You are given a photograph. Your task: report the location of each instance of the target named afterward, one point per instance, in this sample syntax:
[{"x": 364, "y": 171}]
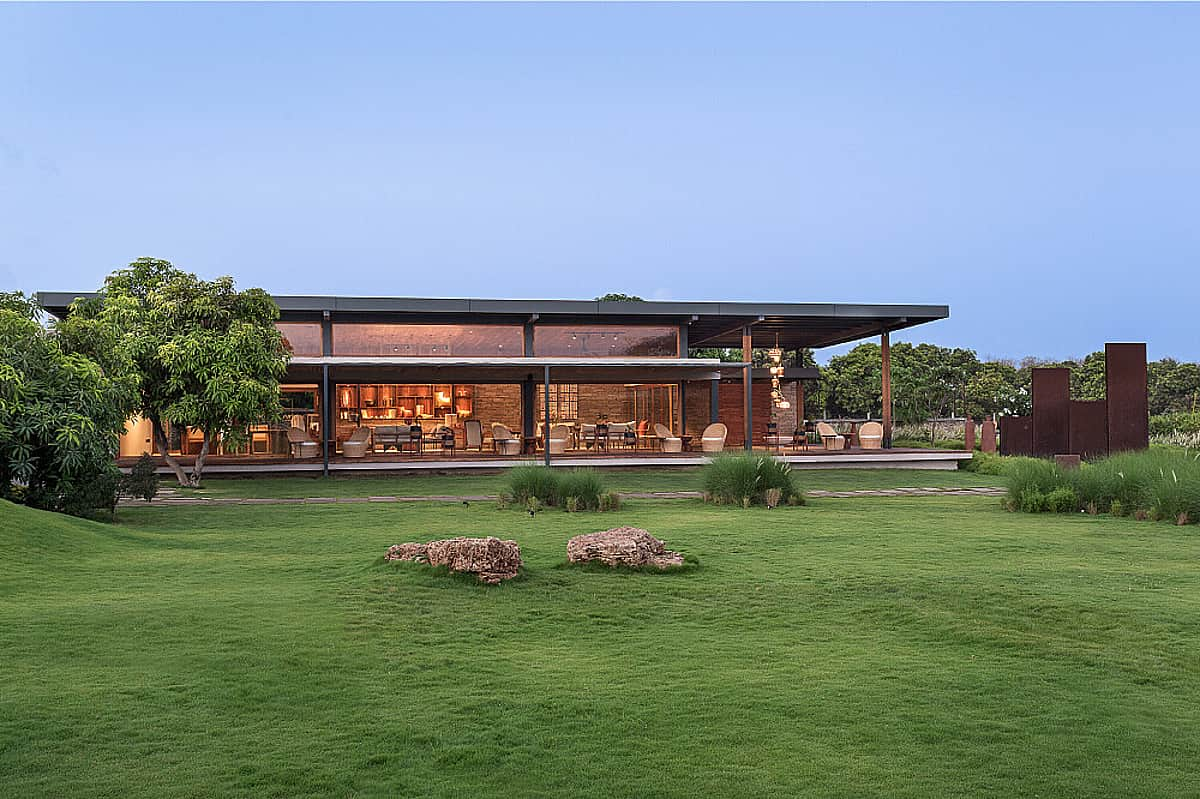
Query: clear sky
[{"x": 1036, "y": 167}]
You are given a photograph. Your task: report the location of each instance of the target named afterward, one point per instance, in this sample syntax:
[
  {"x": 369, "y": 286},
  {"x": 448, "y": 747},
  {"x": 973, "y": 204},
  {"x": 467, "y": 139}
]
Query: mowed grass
[
  {"x": 623, "y": 480},
  {"x": 908, "y": 647}
]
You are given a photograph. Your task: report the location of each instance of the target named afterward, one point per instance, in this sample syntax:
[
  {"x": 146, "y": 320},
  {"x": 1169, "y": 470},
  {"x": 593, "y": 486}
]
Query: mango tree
[{"x": 208, "y": 356}]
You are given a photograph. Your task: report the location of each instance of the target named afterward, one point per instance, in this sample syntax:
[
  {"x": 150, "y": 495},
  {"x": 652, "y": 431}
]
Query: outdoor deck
[{"x": 436, "y": 461}]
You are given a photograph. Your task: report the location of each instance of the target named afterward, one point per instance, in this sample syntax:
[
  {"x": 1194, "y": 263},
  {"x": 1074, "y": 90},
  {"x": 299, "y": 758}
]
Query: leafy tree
[
  {"x": 208, "y": 356},
  {"x": 617, "y": 297},
  {"x": 61, "y": 414},
  {"x": 1174, "y": 387}
]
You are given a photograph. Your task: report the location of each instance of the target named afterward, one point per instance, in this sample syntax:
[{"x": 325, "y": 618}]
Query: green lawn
[
  {"x": 908, "y": 647},
  {"x": 625, "y": 480}
]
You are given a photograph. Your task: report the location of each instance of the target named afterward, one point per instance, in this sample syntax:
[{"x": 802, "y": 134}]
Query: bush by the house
[
  {"x": 142, "y": 480},
  {"x": 736, "y": 479},
  {"x": 573, "y": 489}
]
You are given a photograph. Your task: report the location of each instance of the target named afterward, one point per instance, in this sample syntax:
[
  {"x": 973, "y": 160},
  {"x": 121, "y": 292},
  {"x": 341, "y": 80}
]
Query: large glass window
[
  {"x": 606, "y": 341},
  {"x": 564, "y": 402},
  {"x": 301, "y": 338},
  {"x": 408, "y": 341}
]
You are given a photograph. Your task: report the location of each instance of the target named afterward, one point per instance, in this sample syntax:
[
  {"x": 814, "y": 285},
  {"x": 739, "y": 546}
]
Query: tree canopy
[
  {"x": 207, "y": 356},
  {"x": 61, "y": 414}
]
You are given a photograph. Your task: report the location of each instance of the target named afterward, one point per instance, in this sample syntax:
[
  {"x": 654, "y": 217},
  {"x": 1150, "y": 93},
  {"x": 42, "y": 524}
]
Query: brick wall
[{"x": 498, "y": 403}]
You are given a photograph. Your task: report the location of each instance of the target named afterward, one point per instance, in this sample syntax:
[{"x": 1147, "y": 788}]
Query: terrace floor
[{"x": 473, "y": 460}]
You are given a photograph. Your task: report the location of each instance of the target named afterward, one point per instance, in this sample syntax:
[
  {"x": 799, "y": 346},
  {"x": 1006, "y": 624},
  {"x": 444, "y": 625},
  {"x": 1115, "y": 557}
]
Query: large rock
[
  {"x": 491, "y": 558},
  {"x": 622, "y": 546}
]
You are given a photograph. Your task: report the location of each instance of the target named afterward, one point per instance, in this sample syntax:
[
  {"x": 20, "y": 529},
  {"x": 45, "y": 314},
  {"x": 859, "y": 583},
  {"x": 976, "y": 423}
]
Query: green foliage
[
  {"x": 1030, "y": 480},
  {"x": 985, "y": 463},
  {"x": 1167, "y": 423},
  {"x": 1174, "y": 387},
  {"x": 207, "y": 356},
  {"x": 1156, "y": 484},
  {"x": 61, "y": 415},
  {"x": 583, "y": 485},
  {"x": 533, "y": 482},
  {"x": 142, "y": 480},
  {"x": 740, "y": 479},
  {"x": 618, "y": 297},
  {"x": 553, "y": 487}
]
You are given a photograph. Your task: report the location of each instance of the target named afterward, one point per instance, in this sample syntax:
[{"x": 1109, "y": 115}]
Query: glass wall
[
  {"x": 301, "y": 409},
  {"x": 301, "y": 338},
  {"x": 401, "y": 341},
  {"x": 606, "y": 341},
  {"x": 389, "y": 404}
]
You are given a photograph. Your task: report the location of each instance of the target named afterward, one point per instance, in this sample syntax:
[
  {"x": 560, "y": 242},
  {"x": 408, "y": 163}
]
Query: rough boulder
[
  {"x": 491, "y": 558},
  {"x": 622, "y": 546}
]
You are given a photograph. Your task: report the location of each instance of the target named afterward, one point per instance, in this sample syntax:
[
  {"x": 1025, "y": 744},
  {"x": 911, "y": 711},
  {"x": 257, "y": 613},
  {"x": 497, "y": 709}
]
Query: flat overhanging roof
[
  {"x": 510, "y": 370},
  {"x": 709, "y": 324}
]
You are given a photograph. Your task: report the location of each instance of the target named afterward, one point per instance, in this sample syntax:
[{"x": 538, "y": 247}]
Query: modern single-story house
[{"x": 393, "y": 381}]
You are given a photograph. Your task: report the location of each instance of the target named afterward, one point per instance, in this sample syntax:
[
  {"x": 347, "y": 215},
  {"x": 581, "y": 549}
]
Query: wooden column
[
  {"x": 747, "y": 387},
  {"x": 885, "y": 347}
]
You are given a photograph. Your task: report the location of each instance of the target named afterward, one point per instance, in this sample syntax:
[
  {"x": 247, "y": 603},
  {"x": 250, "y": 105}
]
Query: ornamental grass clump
[
  {"x": 1154, "y": 484},
  {"x": 533, "y": 482},
  {"x": 575, "y": 489},
  {"x": 745, "y": 480},
  {"x": 582, "y": 485}
]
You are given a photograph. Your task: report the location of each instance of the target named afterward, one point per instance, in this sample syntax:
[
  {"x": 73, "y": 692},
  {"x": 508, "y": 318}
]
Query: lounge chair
[
  {"x": 560, "y": 434},
  {"x": 831, "y": 438},
  {"x": 356, "y": 445},
  {"x": 473, "y": 432},
  {"x": 668, "y": 440},
  {"x": 302, "y": 445},
  {"x": 870, "y": 435},
  {"x": 713, "y": 438},
  {"x": 504, "y": 441}
]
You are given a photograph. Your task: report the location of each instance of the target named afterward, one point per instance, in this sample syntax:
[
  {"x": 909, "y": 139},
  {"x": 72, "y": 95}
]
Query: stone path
[{"x": 168, "y": 497}]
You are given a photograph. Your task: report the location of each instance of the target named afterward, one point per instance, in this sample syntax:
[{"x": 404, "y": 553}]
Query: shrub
[
  {"x": 533, "y": 482},
  {"x": 1030, "y": 480},
  {"x": 142, "y": 480},
  {"x": 985, "y": 463},
  {"x": 745, "y": 479},
  {"x": 1169, "y": 423},
  {"x": 553, "y": 487},
  {"x": 1062, "y": 500},
  {"x": 583, "y": 485},
  {"x": 1151, "y": 484}
]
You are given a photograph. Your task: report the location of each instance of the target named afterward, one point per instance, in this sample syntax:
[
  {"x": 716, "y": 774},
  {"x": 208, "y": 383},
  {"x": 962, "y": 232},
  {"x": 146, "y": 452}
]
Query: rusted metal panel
[
  {"x": 1051, "y": 411},
  {"x": 1016, "y": 435},
  {"x": 1128, "y": 403},
  {"x": 987, "y": 436},
  {"x": 1089, "y": 428}
]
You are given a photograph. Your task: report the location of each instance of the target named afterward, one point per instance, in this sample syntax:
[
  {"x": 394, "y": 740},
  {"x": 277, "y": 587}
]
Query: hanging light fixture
[{"x": 776, "y": 357}]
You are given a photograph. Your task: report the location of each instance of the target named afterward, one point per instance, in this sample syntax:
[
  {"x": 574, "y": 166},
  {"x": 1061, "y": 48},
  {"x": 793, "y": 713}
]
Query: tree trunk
[
  {"x": 160, "y": 438},
  {"x": 198, "y": 467}
]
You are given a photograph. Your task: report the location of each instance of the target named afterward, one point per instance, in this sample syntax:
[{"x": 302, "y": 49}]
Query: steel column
[
  {"x": 885, "y": 347},
  {"x": 326, "y": 420},
  {"x": 747, "y": 388},
  {"x": 546, "y": 418}
]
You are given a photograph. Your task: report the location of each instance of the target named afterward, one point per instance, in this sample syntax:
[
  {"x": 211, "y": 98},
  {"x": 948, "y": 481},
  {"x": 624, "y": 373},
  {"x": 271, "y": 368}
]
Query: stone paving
[{"x": 168, "y": 498}]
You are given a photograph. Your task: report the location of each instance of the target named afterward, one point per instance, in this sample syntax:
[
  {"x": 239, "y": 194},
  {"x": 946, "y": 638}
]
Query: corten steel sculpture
[{"x": 1090, "y": 429}]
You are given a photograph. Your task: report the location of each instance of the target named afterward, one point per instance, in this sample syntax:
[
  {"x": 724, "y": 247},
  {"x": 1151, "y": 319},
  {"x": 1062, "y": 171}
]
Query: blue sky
[{"x": 1034, "y": 166}]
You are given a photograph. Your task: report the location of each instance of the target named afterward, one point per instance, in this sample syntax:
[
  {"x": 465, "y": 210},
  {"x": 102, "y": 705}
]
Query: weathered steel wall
[
  {"x": 1016, "y": 435},
  {"x": 1089, "y": 428},
  {"x": 1128, "y": 403},
  {"x": 1051, "y": 411}
]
